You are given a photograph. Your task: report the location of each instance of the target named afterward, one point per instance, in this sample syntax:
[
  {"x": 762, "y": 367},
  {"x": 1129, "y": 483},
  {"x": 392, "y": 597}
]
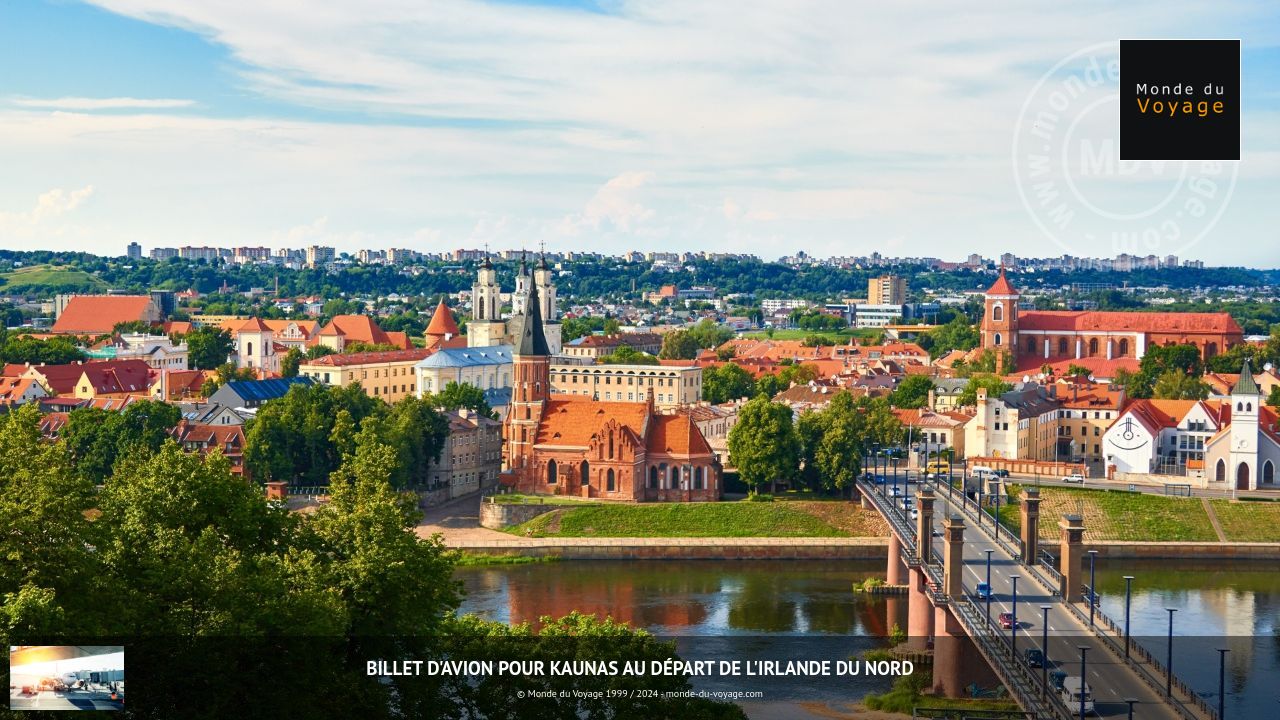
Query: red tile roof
[
  {"x": 362, "y": 328},
  {"x": 442, "y": 321},
  {"x": 676, "y": 435},
  {"x": 1098, "y": 367},
  {"x": 98, "y": 314},
  {"x": 1152, "y": 322},
  {"x": 1001, "y": 286},
  {"x": 573, "y": 421},
  {"x": 108, "y": 376}
]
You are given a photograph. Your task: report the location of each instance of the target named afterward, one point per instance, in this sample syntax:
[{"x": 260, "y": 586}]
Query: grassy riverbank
[
  {"x": 723, "y": 519},
  {"x": 1137, "y": 517}
]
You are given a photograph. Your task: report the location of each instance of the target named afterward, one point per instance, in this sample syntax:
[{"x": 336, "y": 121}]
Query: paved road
[
  {"x": 1112, "y": 681},
  {"x": 63, "y": 700}
]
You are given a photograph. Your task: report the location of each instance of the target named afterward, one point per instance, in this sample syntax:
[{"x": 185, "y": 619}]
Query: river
[{"x": 782, "y": 609}]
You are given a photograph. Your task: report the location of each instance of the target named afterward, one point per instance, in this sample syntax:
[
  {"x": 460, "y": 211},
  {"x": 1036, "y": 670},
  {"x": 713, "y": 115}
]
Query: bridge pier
[
  {"x": 924, "y": 525},
  {"x": 1069, "y": 556},
  {"x": 1030, "y": 525},
  {"x": 953, "y": 557},
  {"x": 957, "y": 664},
  {"x": 919, "y": 611},
  {"x": 893, "y": 571}
]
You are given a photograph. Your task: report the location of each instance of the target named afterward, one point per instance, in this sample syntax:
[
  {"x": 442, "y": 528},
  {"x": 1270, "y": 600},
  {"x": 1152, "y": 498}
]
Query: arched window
[
  {"x": 551, "y": 472},
  {"x": 609, "y": 481},
  {"x": 1248, "y": 407},
  {"x": 1031, "y": 344},
  {"x": 248, "y": 348},
  {"x": 663, "y": 476},
  {"x": 1062, "y": 346},
  {"x": 697, "y": 478},
  {"x": 584, "y": 473},
  {"x": 997, "y": 312},
  {"x": 1124, "y": 347},
  {"x": 1093, "y": 347},
  {"x": 653, "y": 477},
  {"x": 1210, "y": 350},
  {"x": 998, "y": 339},
  {"x": 611, "y": 446},
  {"x": 1268, "y": 472},
  {"x": 1239, "y": 406},
  {"x": 1220, "y": 472}
]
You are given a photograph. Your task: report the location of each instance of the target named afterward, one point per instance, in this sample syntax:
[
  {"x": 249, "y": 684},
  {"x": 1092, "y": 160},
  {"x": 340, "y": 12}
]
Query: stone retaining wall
[
  {"x": 1187, "y": 551},
  {"x": 496, "y": 516},
  {"x": 688, "y": 548}
]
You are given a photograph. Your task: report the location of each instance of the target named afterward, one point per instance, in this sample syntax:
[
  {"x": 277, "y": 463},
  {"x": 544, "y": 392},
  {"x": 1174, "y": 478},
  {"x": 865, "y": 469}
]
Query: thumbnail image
[{"x": 66, "y": 677}]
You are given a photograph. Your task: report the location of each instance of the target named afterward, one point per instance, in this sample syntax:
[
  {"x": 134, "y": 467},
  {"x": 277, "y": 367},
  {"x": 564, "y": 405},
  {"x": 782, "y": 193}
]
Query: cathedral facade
[{"x": 487, "y": 326}]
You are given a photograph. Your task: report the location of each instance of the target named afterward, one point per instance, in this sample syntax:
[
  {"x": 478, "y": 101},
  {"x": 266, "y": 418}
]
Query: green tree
[
  {"x": 993, "y": 385},
  {"x": 726, "y": 382},
  {"x": 679, "y": 345},
  {"x": 763, "y": 445},
  {"x": 415, "y": 431},
  {"x": 291, "y": 437},
  {"x": 1273, "y": 398},
  {"x": 1175, "y": 385},
  {"x": 290, "y": 362},
  {"x": 912, "y": 392},
  {"x": 709, "y": 334},
  {"x": 958, "y": 334},
  {"x": 464, "y": 395},
  {"x": 208, "y": 347},
  {"x": 22, "y": 348},
  {"x": 98, "y": 438}
]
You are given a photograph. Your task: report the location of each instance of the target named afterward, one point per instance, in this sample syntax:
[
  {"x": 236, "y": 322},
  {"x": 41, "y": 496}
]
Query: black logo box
[{"x": 1187, "y": 68}]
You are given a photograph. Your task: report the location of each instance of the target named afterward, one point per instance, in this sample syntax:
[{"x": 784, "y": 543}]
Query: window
[
  {"x": 1220, "y": 472},
  {"x": 697, "y": 478},
  {"x": 1062, "y": 346},
  {"x": 1124, "y": 347},
  {"x": 584, "y": 473},
  {"x": 1268, "y": 472},
  {"x": 551, "y": 472},
  {"x": 653, "y": 477},
  {"x": 1031, "y": 344},
  {"x": 997, "y": 313},
  {"x": 1093, "y": 347},
  {"x": 609, "y": 480},
  {"x": 998, "y": 339}
]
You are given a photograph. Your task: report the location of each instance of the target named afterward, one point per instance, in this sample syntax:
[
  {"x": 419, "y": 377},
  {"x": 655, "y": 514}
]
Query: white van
[
  {"x": 983, "y": 473},
  {"x": 1072, "y": 689}
]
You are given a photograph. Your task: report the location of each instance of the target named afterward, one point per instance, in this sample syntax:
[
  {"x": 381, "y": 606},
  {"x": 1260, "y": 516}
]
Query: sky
[{"x": 834, "y": 127}]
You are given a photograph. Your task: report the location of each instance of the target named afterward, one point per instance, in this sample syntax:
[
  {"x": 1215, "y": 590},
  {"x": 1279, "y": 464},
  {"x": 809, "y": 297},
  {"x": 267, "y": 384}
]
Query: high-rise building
[
  {"x": 886, "y": 290},
  {"x": 319, "y": 255},
  {"x": 134, "y": 252}
]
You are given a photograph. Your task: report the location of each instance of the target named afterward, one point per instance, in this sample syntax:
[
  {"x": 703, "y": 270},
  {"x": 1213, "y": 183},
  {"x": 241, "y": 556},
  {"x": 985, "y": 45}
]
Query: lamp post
[
  {"x": 1044, "y": 647},
  {"x": 1131, "y": 702},
  {"x": 988, "y": 551},
  {"x": 1084, "y": 649},
  {"x": 1093, "y": 594},
  {"x": 1168, "y": 665},
  {"x": 995, "y": 519},
  {"x": 1222, "y": 676},
  {"x": 1013, "y": 626},
  {"x": 1128, "y": 593}
]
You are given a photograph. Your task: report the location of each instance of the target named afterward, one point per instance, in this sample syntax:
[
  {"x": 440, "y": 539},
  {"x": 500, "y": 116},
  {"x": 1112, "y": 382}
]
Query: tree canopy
[{"x": 763, "y": 445}]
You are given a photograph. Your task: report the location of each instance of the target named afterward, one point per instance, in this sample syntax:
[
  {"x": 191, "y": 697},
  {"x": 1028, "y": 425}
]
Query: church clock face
[{"x": 1128, "y": 438}]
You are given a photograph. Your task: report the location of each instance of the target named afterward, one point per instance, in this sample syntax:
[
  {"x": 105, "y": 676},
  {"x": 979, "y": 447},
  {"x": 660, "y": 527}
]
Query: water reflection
[{"x": 690, "y": 597}]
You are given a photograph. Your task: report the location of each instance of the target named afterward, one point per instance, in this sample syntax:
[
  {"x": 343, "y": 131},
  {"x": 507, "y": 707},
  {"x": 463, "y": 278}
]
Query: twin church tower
[{"x": 487, "y": 328}]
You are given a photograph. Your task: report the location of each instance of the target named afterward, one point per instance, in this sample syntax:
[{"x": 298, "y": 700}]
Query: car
[
  {"x": 1035, "y": 658},
  {"x": 1074, "y": 478},
  {"x": 896, "y": 491},
  {"x": 1056, "y": 679},
  {"x": 1006, "y": 620},
  {"x": 983, "y": 592},
  {"x": 1002, "y": 473}
]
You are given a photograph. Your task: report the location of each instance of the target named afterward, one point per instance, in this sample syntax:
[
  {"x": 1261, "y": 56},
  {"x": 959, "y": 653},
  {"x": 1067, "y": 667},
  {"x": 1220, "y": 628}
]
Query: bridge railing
[{"x": 1155, "y": 680}]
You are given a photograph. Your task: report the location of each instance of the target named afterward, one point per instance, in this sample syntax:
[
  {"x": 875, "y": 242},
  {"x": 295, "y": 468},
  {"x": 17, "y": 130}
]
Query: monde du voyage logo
[{"x": 1180, "y": 99}]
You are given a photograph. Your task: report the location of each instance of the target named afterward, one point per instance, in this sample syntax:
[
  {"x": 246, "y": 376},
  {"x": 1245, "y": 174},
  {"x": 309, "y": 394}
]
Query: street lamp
[
  {"x": 1128, "y": 592},
  {"x": 1131, "y": 702},
  {"x": 1013, "y": 627},
  {"x": 1044, "y": 647},
  {"x": 1168, "y": 665},
  {"x": 1083, "y": 650},
  {"x": 1222, "y": 676},
  {"x": 1093, "y": 593},
  {"x": 988, "y": 551}
]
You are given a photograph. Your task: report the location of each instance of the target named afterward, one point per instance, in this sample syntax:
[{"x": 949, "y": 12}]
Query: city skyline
[{"x": 604, "y": 127}]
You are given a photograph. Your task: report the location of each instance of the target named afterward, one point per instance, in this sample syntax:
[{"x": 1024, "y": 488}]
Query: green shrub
[{"x": 760, "y": 497}]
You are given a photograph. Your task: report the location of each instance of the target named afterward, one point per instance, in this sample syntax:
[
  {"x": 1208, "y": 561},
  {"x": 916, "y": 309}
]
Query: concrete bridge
[{"x": 942, "y": 556}]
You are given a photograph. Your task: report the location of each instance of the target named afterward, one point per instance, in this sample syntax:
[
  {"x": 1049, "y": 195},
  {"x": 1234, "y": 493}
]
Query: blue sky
[{"x": 825, "y": 125}]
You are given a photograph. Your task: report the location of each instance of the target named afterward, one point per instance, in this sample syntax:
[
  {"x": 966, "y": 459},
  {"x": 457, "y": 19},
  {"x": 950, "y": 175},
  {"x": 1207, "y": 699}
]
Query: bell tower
[
  {"x": 1000, "y": 320},
  {"x": 1246, "y": 396},
  {"x": 486, "y": 328},
  {"x": 531, "y": 385}
]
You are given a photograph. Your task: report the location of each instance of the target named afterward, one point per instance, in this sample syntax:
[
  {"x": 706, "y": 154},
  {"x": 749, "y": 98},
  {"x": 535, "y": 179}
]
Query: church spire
[
  {"x": 1246, "y": 384},
  {"x": 531, "y": 340}
]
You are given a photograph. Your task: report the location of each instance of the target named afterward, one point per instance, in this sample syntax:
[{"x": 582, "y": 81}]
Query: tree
[
  {"x": 1074, "y": 370},
  {"x": 708, "y": 334},
  {"x": 208, "y": 347},
  {"x": 763, "y": 444},
  {"x": 358, "y": 346},
  {"x": 726, "y": 382},
  {"x": 98, "y": 438},
  {"x": 1175, "y": 385},
  {"x": 464, "y": 395},
  {"x": 627, "y": 355},
  {"x": 912, "y": 392},
  {"x": 290, "y": 439},
  {"x": 817, "y": 341},
  {"x": 679, "y": 345},
  {"x": 993, "y": 385},
  {"x": 290, "y": 362},
  {"x": 21, "y": 348},
  {"x": 1273, "y": 398},
  {"x": 957, "y": 334}
]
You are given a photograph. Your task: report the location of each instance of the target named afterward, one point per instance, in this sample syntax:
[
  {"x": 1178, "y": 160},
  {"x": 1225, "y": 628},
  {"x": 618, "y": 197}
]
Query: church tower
[
  {"x": 1000, "y": 320},
  {"x": 531, "y": 386},
  {"x": 486, "y": 328},
  {"x": 547, "y": 299},
  {"x": 520, "y": 298},
  {"x": 1245, "y": 399}
]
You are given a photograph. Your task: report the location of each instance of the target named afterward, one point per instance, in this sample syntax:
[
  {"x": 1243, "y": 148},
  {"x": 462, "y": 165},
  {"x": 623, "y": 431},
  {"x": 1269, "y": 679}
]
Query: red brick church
[
  {"x": 1087, "y": 338},
  {"x": 566, "y": 445}
]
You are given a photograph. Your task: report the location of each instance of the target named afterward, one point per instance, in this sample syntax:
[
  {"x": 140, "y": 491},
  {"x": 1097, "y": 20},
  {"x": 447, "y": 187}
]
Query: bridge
[{"x": 942, "y": 554}]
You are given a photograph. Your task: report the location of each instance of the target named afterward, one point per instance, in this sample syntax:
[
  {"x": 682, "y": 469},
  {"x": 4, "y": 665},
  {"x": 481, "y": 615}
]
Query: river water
[{"x": 784, "y": 609}]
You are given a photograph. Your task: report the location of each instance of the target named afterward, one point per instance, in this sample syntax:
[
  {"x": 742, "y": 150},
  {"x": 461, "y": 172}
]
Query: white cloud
[
  {"x": 116, "y": 103},
  {"x": 308, "y": 233},
  {"x": 49, "y": 206},
  {"x": 613, "y": 207}
]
